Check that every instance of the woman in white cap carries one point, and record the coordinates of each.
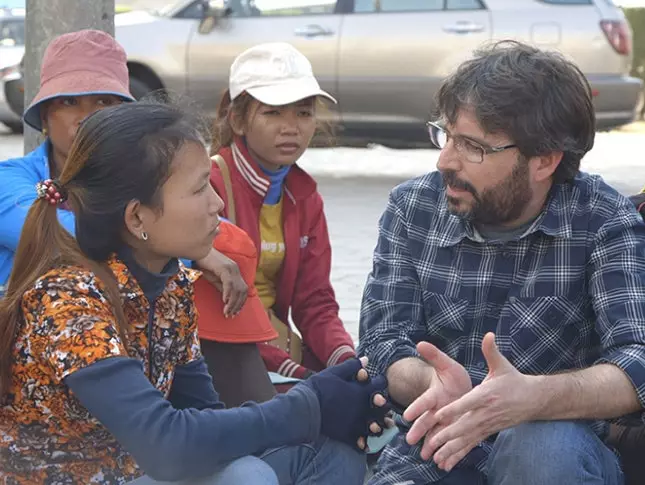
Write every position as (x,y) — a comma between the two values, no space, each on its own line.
(266,120)
(81,72)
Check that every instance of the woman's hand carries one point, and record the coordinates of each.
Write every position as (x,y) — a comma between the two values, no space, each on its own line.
(352,405)
(223,273)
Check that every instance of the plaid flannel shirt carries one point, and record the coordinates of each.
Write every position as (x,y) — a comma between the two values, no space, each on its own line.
(567,294)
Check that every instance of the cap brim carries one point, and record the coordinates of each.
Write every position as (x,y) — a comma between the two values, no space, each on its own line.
(74,84)
(287,93)
(251,325)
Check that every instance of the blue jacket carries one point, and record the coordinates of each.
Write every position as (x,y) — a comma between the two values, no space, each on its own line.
(18,179)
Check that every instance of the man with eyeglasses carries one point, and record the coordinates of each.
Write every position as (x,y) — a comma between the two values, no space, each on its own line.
(506,304)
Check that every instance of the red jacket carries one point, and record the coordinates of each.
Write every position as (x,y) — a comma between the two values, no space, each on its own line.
(304,287)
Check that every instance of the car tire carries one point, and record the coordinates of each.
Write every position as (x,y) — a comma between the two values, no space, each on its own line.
(15,126)
(138,88)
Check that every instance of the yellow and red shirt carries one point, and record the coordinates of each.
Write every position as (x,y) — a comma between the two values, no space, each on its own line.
(271,253)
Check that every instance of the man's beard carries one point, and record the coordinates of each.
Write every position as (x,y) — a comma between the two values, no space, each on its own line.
(496,205)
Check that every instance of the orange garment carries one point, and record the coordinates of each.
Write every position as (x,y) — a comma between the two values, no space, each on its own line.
(252,324)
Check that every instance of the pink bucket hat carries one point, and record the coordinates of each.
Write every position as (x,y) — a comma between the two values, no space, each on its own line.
(80,63)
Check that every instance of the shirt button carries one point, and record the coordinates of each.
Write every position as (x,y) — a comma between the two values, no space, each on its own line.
(481,365)
(506,254)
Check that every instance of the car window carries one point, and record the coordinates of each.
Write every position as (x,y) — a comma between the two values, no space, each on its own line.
(194,10)
(12,32)
(463,5)
(361,6)
(568,2)
(367,6)
(271,8)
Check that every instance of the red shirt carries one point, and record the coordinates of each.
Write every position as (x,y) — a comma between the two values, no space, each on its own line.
(304,287)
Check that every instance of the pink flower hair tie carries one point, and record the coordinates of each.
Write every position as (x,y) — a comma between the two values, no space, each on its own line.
(52,191)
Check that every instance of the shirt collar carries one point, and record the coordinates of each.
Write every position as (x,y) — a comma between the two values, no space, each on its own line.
(554,220)
(152,284)
(250,170)
(297,183)
(135,282)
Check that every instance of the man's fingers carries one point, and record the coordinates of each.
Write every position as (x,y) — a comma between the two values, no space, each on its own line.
(426,401)
(421,426)
(435,357)
(458,433)
(448,460)
(375,428)
(494,358)
(468,402)
(389,423)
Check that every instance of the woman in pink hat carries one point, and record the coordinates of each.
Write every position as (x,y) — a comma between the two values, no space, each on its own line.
(82,72)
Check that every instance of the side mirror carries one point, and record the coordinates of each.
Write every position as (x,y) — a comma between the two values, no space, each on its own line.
(213,11)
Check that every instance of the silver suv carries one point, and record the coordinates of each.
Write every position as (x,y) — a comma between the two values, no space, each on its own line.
(382,59)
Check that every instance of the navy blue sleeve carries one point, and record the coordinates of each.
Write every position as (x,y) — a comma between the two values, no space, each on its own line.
(172,444)
(192,387)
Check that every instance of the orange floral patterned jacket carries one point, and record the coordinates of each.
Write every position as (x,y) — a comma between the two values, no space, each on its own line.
(46,436)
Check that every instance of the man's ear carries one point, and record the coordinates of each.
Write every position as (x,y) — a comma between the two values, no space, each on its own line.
(544,166)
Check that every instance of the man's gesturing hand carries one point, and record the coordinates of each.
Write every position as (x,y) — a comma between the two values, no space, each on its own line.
(449,382)
(504,399)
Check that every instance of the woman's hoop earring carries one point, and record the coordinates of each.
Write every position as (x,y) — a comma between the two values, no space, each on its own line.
(144,236)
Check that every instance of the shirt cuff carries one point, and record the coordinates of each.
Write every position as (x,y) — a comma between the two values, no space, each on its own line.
(289,368)
(631,361)
(384,355)
(341,354)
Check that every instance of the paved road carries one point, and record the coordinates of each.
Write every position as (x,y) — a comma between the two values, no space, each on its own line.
(355,184)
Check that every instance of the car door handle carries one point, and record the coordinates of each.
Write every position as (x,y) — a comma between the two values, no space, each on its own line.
(313,30)
(465,27)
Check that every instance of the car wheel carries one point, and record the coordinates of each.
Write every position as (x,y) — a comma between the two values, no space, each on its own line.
(15,126)
(138,88)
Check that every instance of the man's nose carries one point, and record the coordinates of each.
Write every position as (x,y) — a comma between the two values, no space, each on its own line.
(449,159)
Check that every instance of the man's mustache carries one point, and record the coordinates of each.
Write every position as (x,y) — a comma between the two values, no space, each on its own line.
(450,178)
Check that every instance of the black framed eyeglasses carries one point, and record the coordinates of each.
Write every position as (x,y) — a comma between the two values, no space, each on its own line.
(473,151)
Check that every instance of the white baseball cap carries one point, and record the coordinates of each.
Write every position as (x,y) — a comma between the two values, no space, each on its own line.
(274,73)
